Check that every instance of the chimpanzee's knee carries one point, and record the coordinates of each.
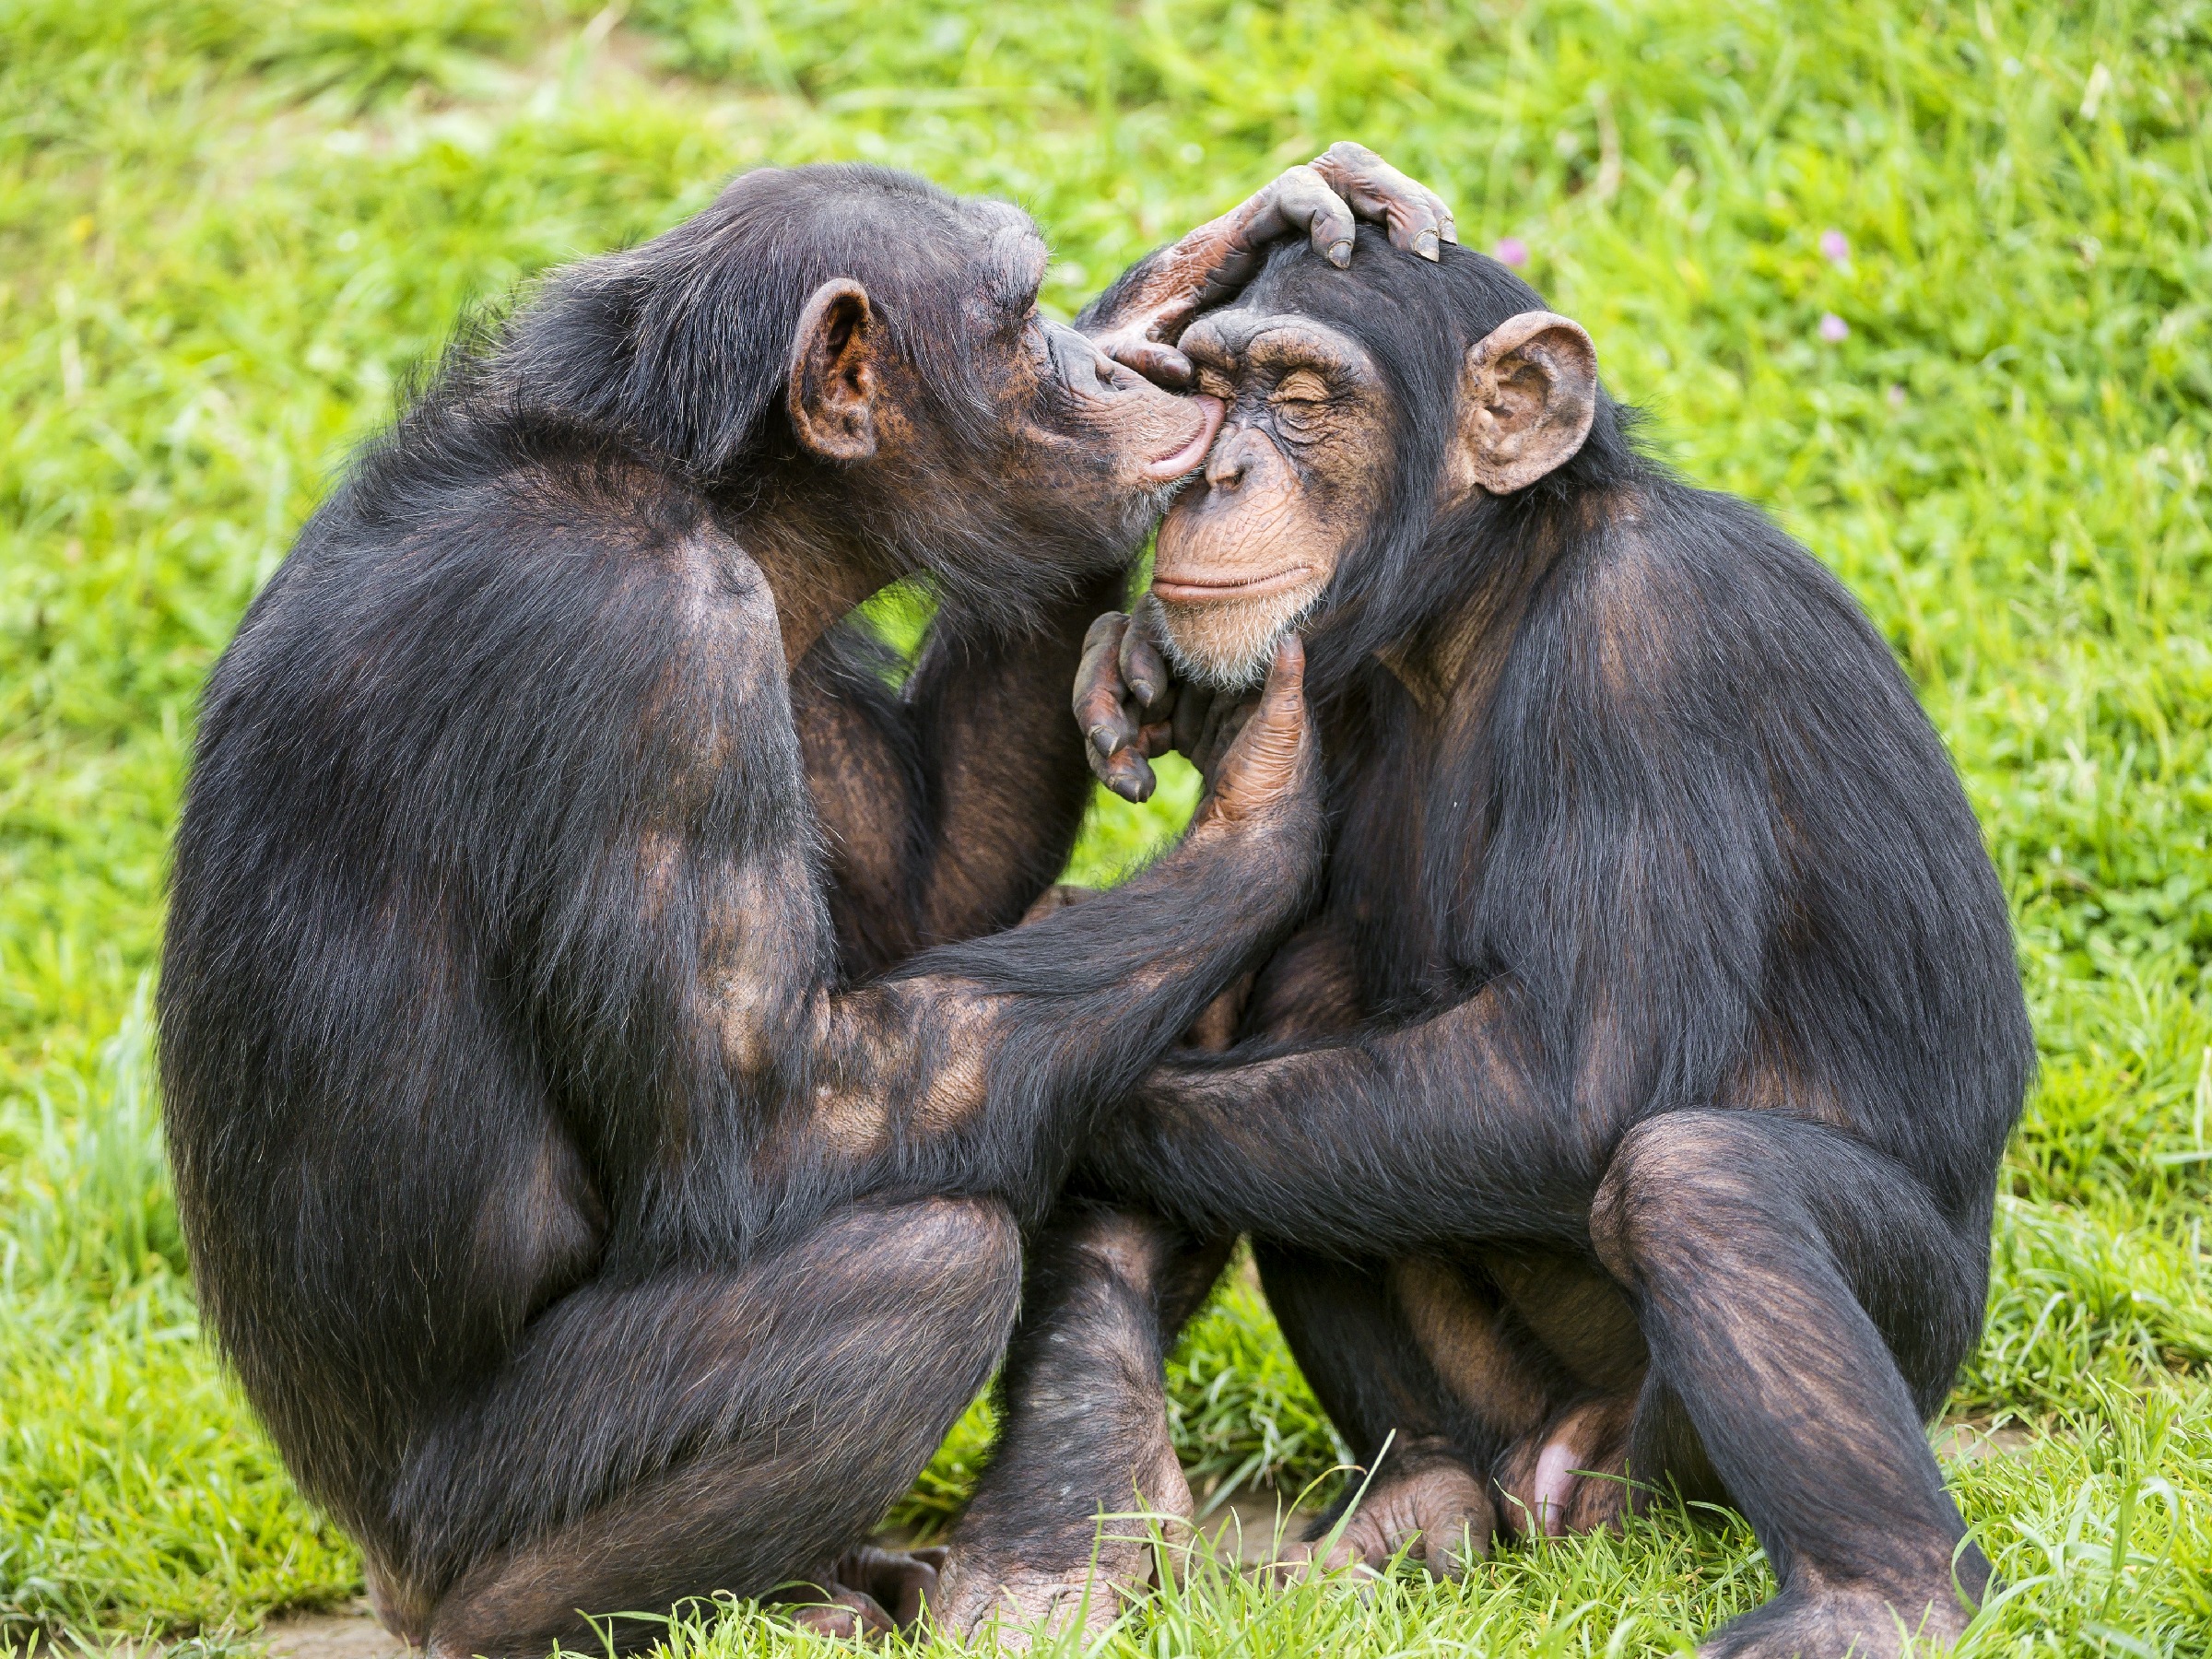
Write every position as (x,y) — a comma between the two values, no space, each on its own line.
(1674,1182)
(947,1271)
(1718,1203)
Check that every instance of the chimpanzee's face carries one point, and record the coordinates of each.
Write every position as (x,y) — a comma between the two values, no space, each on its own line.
(1328,379)
(1090,443)
(1016,443)
(1294,479)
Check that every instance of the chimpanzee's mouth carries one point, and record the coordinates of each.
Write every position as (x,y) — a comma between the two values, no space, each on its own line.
(1191,455)
(1197,591)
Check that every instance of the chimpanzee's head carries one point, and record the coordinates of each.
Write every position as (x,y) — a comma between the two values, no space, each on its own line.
(1370,412)
(857,337)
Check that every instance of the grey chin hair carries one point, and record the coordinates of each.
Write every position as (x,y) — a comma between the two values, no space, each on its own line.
(1248,674)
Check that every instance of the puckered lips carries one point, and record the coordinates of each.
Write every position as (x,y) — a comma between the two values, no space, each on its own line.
(1191,456)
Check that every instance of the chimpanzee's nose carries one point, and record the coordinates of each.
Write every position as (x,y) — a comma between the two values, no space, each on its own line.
(1225,468)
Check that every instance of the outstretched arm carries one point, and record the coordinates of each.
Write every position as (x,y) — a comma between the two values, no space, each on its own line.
(1449,1129)
(977,1067)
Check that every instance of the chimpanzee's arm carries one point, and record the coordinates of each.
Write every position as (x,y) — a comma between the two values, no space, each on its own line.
(1138,320)
(1633,886)
(1450,1128)
(953,801)
(977,1067)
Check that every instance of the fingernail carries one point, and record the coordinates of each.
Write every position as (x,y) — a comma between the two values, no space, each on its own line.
(1425,245)
(1102,740)
(1340,254)
(1452,233)
(1146,692)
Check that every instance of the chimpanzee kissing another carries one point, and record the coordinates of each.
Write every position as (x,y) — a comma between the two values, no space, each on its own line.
(589,1227)
(1624,1117)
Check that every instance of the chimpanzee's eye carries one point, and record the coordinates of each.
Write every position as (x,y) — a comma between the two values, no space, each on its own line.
(1298,401)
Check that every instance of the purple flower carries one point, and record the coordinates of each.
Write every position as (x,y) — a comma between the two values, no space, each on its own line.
(1833,328)
(1512,250)
(1835,247)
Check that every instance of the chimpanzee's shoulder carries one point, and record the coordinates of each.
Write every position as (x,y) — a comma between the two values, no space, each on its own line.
(1703,560)
(536,518)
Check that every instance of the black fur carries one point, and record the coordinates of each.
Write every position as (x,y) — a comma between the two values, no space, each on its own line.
(584,1237)
(1658,949)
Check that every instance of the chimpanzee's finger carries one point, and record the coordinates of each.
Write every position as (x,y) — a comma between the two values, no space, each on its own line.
(1444,212)
(1223,722)
(1304,201)
(1265,759)
(1158,362)
(1192,705)
(1100,696)
(1127,773)
(1144,665)
(1415,215)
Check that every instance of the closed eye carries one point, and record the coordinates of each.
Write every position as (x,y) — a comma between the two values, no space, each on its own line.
(1301,388)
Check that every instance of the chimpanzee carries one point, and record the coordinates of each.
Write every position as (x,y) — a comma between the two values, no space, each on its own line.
(587,1240)
(1624,1117)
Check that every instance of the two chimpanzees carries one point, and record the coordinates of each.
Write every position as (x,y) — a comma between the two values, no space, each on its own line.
(590,1227)
(607,1140)
(1624,1116)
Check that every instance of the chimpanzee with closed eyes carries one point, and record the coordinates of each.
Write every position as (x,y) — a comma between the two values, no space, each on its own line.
(590,1229)
(1624,1116)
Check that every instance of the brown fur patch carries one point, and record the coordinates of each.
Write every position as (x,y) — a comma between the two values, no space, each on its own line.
(1459,1330)
(1578,1314)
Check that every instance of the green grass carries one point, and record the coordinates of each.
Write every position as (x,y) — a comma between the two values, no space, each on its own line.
(229,228)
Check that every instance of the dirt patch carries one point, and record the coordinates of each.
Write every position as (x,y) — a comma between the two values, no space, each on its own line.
(347,1633)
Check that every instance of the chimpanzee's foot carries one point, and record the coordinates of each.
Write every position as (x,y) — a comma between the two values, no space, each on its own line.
(1810,1621)
(1571,1476)
(1425,1500)
(1019,1605)
(871,1592)
(1049,1577)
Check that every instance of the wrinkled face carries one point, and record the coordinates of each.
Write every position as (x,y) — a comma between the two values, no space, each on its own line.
(1293,482)
(1302,473)
(1095,442)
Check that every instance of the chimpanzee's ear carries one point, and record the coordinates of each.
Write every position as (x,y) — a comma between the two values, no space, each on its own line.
(1527,394)
(833,372)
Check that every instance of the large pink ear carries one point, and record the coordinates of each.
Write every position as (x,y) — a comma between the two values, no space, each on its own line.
(832,395)
(1527,394)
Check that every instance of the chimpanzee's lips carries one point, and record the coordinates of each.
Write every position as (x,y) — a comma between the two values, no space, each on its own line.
(1191,455)
(1196,590)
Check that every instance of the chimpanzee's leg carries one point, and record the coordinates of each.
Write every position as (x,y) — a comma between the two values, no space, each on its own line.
(1808,1305)
(713,1430)
(1084,1428)
(1422,1374)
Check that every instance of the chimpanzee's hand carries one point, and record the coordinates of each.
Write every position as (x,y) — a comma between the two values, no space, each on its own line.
(1268,755)
(1130,707)
(1138,321)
